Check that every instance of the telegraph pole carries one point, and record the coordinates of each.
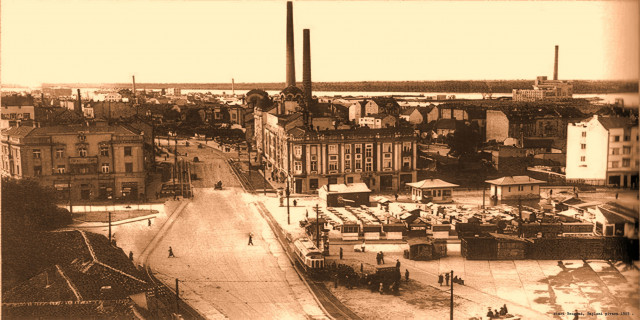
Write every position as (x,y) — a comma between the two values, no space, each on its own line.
(177,297)
(288,192)
(317,226)
(175,163)
(109,226)
(451,313)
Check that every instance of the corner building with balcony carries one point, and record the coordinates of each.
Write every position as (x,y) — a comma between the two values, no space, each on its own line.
(80,162)
(383,159)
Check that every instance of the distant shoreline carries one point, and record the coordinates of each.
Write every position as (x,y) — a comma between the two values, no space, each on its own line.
(454,86)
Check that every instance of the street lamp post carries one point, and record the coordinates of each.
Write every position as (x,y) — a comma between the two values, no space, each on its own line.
(451,308)
(287,193)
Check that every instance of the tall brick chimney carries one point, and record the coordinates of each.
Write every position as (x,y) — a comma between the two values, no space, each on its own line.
(306,67)
(555,66)
(291,68)
(134,86)
(78,106)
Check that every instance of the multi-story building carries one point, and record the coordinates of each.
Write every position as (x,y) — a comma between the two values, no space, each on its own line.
(81,162)
(378,121)
(14,115)
(603,151)
(384,159)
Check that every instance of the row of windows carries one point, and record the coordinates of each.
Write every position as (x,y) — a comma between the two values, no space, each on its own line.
(520,188)
(625,163)
(625,150)
(368,164)
(357,148)
(105,168)
(82,152)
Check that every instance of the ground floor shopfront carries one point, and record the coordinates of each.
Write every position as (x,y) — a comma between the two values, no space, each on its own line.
(98,187)
(376,181)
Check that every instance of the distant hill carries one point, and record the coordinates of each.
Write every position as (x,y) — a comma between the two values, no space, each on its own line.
(459,86)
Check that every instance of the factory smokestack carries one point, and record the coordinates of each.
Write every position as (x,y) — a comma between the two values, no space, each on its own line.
(555,66)
(291,68)
(134,86)
(306,67)
(78,107)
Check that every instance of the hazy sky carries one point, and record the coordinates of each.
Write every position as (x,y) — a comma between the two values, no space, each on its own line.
(213,41)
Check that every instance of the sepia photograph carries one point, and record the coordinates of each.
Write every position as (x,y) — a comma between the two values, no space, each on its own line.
(204,159)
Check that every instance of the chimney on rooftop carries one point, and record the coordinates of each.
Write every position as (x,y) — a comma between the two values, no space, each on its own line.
(233,83)
(555,66)
(134,87)
(291,69)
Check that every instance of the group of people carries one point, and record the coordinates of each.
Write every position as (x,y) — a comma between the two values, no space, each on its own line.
(497,314)
(380,257)
(444,278)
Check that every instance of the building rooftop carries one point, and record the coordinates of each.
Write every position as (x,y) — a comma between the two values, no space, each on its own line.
(514,180)
(342,188)
(432,183)
(615,122)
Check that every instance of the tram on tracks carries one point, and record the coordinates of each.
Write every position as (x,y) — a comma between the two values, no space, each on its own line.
(308,255)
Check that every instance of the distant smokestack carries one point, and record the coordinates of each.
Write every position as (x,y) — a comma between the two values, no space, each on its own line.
(306,67)
(134,86)
(291,68)
(555,66)
(78,107)
(233,90)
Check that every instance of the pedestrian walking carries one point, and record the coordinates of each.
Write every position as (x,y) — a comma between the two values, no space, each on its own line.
(378,258)
(171,253)
(250,239)
(149,222)
(381,257)
(131,255)
(340,253)
(362,246)
(440,279)
(398,264)
(406,275)
(295,203)
(361,267)
(446,278)
(505,309)
(396,195)
(616,196)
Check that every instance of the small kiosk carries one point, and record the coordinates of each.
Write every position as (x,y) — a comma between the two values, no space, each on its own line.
(515,187)
(432,190)
(423,249)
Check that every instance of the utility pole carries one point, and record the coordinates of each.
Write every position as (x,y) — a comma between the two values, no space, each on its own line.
(451,313)
(175,163)
(287,193)
(317,226)
(288,176)
(177,297)
(109,226)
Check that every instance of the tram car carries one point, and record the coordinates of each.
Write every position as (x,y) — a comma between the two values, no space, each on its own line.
(308,255)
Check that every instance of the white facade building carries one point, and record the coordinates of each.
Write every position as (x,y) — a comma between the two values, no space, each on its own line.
(603,151)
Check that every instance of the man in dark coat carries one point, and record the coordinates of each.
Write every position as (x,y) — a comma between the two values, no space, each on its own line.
(446,278)
(440,279)
(398,264)
(406,274)
(250,239)
(171,253)
(340,253)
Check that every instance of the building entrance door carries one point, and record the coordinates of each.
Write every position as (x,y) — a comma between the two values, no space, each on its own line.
(386,182)
(298,186)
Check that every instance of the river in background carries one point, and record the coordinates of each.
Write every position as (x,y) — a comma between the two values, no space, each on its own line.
(630,98)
